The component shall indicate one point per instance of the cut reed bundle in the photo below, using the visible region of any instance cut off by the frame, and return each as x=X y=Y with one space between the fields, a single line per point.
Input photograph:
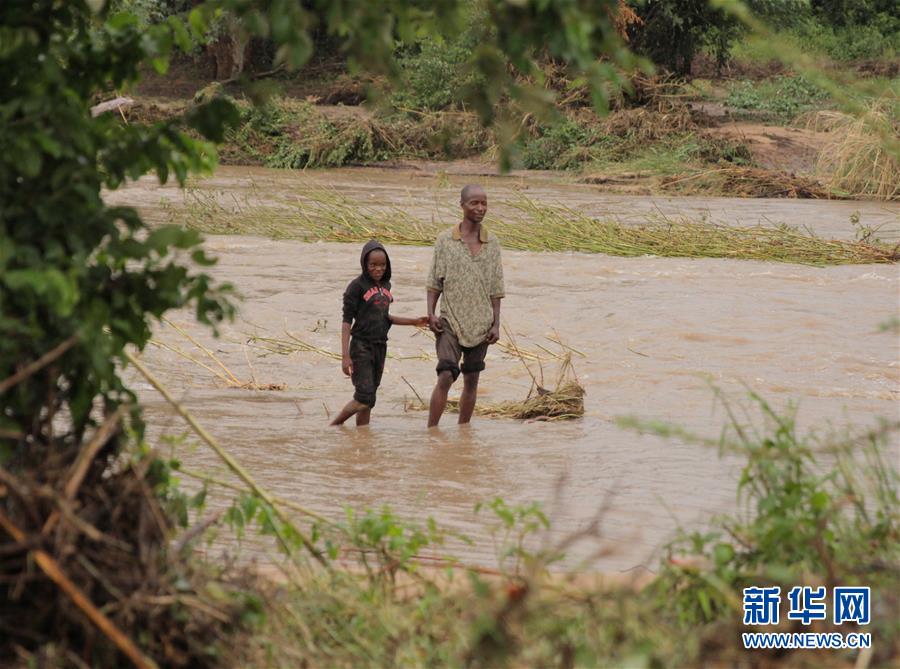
x=564 y=402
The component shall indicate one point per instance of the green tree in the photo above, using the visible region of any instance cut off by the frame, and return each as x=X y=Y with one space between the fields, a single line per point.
x=673 y=31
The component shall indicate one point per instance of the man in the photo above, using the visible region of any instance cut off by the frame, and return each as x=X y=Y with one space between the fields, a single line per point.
x=467 y=276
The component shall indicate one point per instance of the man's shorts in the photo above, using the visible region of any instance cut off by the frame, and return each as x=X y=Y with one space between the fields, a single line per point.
x=449 y=352
x=368 y=366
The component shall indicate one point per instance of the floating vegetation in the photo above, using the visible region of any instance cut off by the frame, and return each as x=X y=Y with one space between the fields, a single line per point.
x=564 y=402
x=217 y=368
x=527 y=225
x=291 y=343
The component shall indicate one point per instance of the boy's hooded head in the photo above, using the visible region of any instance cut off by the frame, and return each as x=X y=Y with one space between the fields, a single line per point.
x=376 y=265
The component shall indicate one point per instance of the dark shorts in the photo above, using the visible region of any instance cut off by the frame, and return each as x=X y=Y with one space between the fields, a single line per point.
x=368 y=366
x=449 y=351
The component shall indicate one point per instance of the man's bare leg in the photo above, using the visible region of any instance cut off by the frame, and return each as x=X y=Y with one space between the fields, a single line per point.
x=439 y=398
x=352 y=407
x=468 y=397
x=362 y=417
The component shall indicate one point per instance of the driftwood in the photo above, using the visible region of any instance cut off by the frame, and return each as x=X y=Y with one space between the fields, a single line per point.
x=116 y=104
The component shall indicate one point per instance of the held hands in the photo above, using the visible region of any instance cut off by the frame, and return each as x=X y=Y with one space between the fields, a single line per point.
x=421 y=321
x=346 y=365
x=435 y=325
x=494 y=334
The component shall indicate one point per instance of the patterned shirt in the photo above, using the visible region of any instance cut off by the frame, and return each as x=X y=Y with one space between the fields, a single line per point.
x=467 y=283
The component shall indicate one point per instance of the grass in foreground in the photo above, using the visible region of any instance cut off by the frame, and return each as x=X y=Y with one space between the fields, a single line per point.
x=527 y=225
x=813 y=511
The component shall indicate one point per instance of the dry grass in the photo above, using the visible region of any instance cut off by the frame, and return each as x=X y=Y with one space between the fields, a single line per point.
x=862 y=158
x=564 y=402
x=748 y=182
x=215 y=366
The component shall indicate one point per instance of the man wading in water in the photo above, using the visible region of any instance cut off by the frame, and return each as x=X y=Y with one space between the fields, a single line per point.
x=467 y=276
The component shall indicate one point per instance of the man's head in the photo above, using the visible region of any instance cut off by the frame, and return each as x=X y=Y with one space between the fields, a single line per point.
x=473 y=201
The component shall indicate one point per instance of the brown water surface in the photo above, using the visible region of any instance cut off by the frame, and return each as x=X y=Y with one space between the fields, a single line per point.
x=652 y=335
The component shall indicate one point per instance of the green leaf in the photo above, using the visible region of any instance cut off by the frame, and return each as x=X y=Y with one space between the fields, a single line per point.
x=723 y=554
x=820 y=501
x=197 y=22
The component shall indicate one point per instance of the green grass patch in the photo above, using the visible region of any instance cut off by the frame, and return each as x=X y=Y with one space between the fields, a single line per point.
x=780 y=98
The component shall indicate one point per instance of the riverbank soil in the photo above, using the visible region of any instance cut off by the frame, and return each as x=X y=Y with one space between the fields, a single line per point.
x=748 y=131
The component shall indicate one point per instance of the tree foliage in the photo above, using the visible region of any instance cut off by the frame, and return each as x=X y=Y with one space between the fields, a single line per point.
x=671 y=32
x=69 y=265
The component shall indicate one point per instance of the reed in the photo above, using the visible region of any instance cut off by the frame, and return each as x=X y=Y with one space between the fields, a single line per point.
x=325 y=215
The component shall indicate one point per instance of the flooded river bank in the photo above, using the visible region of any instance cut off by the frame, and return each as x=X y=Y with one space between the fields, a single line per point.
x=652 y=337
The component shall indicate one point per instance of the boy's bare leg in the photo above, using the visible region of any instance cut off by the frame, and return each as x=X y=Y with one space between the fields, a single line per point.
x=439 y=398
x=352 y=407
x=363 y=416
x=468 y=397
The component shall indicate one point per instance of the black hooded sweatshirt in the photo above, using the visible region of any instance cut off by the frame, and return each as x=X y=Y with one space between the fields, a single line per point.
x=366 y=303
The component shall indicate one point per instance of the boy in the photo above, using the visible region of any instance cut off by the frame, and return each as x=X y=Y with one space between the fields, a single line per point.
x=364 y=330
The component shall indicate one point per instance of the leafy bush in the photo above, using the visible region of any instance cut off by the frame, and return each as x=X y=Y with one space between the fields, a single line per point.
x=879 y=38
x=562 y=145
x=825 y=510
x=435 y=76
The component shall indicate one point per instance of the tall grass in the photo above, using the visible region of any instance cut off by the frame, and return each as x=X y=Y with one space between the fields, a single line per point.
x=858 y=159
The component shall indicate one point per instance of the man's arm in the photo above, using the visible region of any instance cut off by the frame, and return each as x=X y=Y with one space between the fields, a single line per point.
x=434 y=323
x=494 y=333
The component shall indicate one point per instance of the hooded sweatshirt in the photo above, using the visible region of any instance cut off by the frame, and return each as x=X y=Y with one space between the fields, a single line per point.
x=366 y=303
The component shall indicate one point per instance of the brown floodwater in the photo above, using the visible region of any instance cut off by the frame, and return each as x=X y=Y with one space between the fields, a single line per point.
x=653 y=337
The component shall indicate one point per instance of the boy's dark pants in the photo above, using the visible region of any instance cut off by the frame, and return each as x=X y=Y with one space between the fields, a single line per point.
x=368 y=365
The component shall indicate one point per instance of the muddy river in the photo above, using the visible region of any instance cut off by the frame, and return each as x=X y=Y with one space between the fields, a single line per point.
x=649 y=337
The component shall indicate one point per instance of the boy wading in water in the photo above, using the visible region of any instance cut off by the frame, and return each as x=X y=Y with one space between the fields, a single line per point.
x=364 y=331
x=467 y=277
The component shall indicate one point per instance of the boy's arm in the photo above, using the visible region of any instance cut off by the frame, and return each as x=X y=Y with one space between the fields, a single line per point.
x=494 y=333
x=434 y=323
x=403 y=320
x=351 y=305
x=346 y=363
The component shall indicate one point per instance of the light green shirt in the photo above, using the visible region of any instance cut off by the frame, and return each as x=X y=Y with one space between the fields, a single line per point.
x=467 y=283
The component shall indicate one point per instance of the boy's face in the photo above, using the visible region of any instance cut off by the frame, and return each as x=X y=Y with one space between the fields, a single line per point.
x=475 y=206
x=376 y=264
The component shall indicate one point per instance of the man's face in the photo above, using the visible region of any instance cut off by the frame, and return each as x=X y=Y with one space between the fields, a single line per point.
x=475 y=206
x=376 y=264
